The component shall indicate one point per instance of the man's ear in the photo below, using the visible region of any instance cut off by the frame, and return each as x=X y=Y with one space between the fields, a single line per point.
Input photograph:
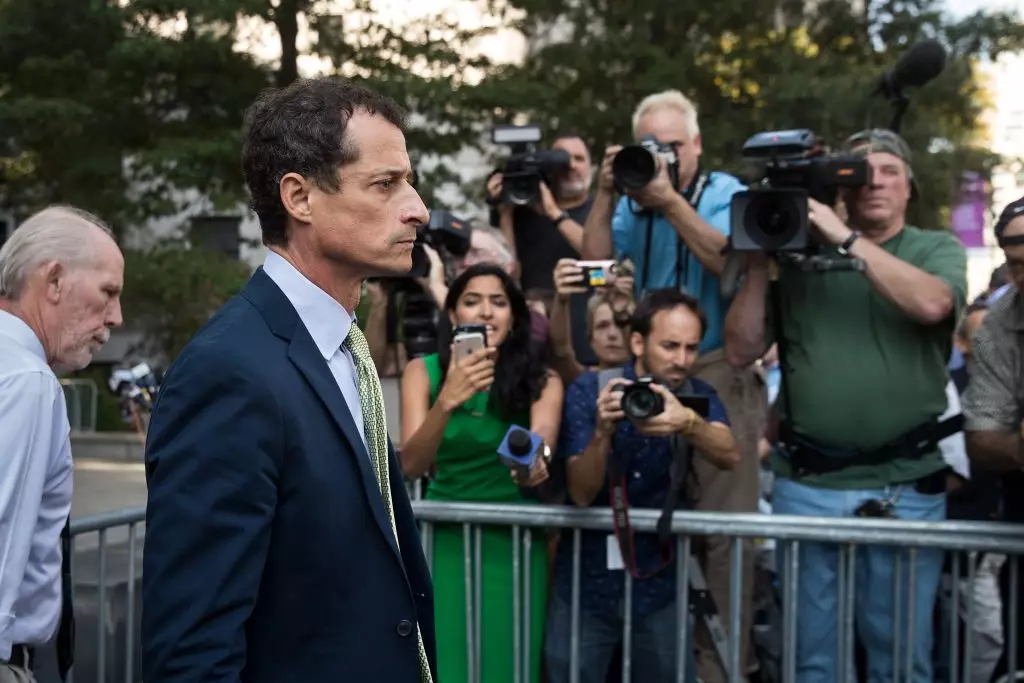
x=295 y=196
x=55 y=280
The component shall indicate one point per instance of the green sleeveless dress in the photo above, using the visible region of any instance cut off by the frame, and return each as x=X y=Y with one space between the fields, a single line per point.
x=467 y=470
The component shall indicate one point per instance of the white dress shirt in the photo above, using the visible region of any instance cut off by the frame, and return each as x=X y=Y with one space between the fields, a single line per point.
x=328 y=324
x=36 y=479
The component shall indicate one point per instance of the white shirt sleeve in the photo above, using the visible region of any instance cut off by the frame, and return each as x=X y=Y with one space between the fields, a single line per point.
x=26 y=447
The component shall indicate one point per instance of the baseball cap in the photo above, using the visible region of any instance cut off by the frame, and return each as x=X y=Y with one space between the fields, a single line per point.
x=883 y=140
x=1012 y=210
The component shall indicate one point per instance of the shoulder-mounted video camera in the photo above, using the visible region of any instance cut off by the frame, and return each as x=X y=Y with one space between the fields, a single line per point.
x=528 y=166
x=445 y=233
x=773 y=217
x=635 y=166
x=136 y=388
x=641 y=402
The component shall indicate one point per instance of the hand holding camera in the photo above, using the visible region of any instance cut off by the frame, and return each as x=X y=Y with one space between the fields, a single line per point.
x=606 y=177
x=673 y=418
x=569 y=278
x=468 y=374
x=546 y=204
x=609 y=407
x=659 y=192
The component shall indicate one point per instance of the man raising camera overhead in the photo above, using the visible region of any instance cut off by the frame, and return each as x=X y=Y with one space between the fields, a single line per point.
x=672 y=222
x=864 y=380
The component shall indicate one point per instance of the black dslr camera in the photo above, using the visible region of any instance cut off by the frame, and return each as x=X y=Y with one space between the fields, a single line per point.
x=635 y=166
x=641 y=402
x=447 y=234
x=528 y=166
x=774 y=216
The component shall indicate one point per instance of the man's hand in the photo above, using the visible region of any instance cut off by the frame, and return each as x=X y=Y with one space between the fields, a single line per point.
x=606 y=181
x=568 y=278
x=675 y=419
x=494 y=186
x=609 y=407
x=547 y=205
x=829 y=225
x=658 y=193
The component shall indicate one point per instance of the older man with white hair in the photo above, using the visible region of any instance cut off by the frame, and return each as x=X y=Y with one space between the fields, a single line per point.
x=61 y=275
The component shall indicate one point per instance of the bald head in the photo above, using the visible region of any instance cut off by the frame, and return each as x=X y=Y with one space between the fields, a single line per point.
x=61 y=272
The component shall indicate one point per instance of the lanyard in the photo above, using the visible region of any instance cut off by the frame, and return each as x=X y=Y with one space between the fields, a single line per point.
x=692 y=194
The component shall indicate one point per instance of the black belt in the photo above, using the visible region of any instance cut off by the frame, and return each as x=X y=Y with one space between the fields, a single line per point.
x=810 y=457
x=22 y=657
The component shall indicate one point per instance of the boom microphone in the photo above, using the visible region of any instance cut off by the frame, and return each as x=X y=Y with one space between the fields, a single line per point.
x=921 y=63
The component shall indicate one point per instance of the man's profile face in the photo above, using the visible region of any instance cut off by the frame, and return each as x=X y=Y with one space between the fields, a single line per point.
x=1015 y=252
x=668 y=126
x=575 y=183
x=672 y=346
x=369 y=225
x=86 y=305
x=884 y=199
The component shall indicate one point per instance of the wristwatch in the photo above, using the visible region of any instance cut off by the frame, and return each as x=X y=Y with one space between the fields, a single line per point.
x=844 y=248
x=564 y=217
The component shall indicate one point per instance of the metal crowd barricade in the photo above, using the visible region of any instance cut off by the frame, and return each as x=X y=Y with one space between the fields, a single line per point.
x=111 y=543
x=82 y=396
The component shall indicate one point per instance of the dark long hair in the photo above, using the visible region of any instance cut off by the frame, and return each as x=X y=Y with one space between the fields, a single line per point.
x=519 y=376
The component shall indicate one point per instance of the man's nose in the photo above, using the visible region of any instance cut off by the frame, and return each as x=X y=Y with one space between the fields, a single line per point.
x=417 y=211
x=114 y=314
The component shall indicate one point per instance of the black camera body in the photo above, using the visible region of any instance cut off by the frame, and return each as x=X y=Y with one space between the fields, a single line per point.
x=773 y=217
x=635 y=166
x=528 y=166
x=641 y=402
x=446 y=234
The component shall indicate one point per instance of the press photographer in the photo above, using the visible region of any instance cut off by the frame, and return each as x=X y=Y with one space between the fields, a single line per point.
x=542 y=198
x=672 y=223
x=630 y=433
x=864 y=331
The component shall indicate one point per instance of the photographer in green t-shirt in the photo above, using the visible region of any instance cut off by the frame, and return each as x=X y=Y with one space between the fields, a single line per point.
x=865 y=377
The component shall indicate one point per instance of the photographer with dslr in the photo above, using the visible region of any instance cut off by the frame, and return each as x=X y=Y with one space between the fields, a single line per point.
x=672 y=224
x=863 y=358
x=643 y=459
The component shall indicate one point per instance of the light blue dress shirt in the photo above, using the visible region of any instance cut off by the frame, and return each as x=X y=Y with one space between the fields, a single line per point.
x=36 y=480
x=328 y=324
x=629 y=233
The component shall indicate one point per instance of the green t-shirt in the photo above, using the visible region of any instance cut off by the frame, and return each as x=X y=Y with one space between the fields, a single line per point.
x=862 y=372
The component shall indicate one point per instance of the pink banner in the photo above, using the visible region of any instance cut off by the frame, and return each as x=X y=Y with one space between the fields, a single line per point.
x=969 y=209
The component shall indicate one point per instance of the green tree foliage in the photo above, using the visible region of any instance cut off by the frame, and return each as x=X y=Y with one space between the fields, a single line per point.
x=172 y=290
x=754 y=65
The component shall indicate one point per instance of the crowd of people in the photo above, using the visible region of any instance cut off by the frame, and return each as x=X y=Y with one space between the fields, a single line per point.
x=280 y=541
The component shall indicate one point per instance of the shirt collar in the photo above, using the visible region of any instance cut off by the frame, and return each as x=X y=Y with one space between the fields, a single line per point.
x=17 y=329
x=326 y=320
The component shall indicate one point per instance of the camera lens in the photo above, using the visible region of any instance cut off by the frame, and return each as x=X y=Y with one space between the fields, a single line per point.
x=634 y=167
x=641 y=402
x=774 y=218
x=521 y=190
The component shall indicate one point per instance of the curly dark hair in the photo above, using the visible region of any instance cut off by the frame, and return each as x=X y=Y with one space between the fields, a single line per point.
x=301 y=128
x=520 y=375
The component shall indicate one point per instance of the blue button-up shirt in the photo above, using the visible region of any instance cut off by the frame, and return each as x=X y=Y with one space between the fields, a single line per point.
x=630 y=234
x=646 y=462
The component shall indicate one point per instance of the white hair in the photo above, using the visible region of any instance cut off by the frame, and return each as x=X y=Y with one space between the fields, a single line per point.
x=57 y=233
x=500 y=242
x=668 y=99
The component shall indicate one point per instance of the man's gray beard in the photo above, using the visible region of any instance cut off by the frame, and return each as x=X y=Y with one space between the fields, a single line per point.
x=572 y=190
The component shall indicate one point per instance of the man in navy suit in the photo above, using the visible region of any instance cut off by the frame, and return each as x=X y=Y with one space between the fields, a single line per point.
x=270 y=551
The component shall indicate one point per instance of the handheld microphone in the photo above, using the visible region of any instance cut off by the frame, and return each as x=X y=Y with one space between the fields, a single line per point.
x=519 y=450
x=921 y=63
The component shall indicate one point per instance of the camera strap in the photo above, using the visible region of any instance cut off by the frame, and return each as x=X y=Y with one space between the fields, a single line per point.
x=692 y=193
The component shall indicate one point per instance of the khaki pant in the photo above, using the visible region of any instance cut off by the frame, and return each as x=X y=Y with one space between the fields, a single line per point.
x=743 y=393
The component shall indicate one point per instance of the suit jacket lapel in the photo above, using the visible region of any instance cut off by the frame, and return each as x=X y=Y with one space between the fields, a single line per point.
x=303 y=353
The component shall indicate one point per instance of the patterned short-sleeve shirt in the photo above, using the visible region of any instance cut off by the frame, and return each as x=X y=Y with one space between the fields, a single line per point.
x=646 y=462
x=994 y=393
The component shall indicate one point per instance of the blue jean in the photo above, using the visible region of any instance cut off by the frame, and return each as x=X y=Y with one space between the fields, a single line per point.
x=874 y=613
x=653 y=657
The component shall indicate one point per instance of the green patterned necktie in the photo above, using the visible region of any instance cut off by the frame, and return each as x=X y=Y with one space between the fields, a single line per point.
x=375 y=425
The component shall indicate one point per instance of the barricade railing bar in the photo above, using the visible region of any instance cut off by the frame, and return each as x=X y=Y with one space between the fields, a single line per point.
x=528 y=525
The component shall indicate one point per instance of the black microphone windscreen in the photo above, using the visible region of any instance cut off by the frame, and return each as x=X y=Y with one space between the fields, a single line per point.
x=519 y=442
x=921 y=63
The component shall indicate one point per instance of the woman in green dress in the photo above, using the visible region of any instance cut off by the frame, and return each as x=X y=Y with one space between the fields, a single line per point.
x=455 y=413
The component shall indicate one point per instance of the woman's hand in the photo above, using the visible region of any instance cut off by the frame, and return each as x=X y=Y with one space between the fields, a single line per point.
x=472 y=374
x=568 y=278
x=538 y=473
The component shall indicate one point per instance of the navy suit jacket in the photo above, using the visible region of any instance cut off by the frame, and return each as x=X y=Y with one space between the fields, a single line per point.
x=268 y=553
